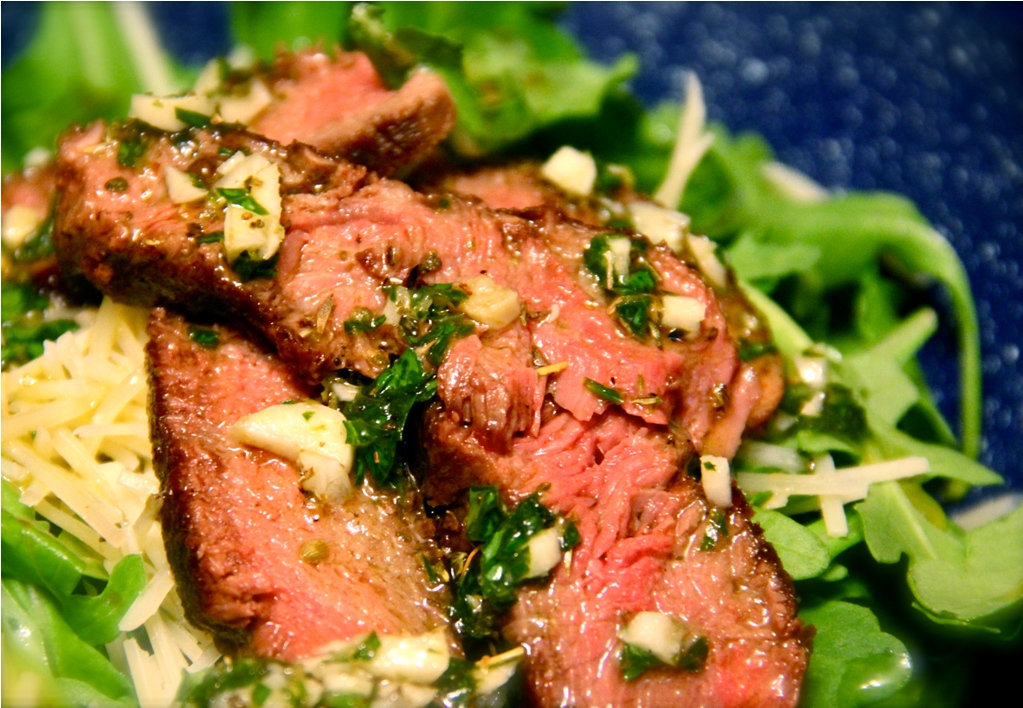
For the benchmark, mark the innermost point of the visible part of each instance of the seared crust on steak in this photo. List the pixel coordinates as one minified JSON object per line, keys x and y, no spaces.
{"x":267,"y":568}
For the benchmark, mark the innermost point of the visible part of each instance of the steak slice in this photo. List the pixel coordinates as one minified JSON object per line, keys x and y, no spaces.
{"x":237,"y":524}
{"x":519,"y":187}
{"x":340,"y":105}
{"x":346,"y":238}
{"x":650,"y":542}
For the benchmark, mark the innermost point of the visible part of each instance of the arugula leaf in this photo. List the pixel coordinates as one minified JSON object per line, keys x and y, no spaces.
{"x":95,"y":618}
{"x":509,"y":68}
{"x":266,"y":26}
{"x":967,"y":578}
{"x":853,"y":662}
{"x":42,"y":642}
{"x":849,"y":234}
{"x":802,"y":553}
{"x":32,"y":553}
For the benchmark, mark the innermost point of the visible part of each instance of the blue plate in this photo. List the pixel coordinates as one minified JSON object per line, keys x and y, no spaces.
{"x":921,"y":99}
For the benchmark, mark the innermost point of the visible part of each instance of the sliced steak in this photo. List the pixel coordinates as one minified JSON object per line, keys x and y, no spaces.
{"x":520,"y":187}
{"x":347,"y":238}
{"x":341,"y":105}
{"x":264,"y":566}
{"x":650,"y":542}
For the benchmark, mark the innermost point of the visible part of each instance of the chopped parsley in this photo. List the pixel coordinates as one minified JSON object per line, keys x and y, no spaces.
{"x":636,"y":661}
{"x":204,"y":336}
{"x":433,"y":320}
{"x":488,"y":585}
{"x":243,"y":198}
{"x":129,"y":151}
{"x":716,"y":529}
{"x":633,"y":291}
{"x":249,"y":268}
{"x":192,"y":118}
{"x":601,"y":391}
{"x":377,"y":415}
{"x":211,"y":237}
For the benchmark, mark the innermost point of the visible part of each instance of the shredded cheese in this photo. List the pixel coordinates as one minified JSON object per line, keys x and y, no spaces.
{"x":75,"y":442}
{"x":848,"y":484}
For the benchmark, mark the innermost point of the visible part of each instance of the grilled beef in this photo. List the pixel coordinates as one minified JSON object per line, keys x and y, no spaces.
{"x":520,"y":187}
{"x":346,"y":238}
{"x":266,"y":567}
{"x":517,"y":407}
{"x":650,"y":542}
{"x":341,"y":105}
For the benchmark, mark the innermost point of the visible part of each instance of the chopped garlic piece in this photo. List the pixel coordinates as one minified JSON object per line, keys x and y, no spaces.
{"x":702,"y":249}
{"x":238,"y":169}
{"x":209,"y":79}
{"x":571,"y":170}
{"x":309,"y":434}
{"x":161,"y":111}
{"x":544,"y":552}
{"x":259,"y":234}
{"x":242,"y":109}
{"x":659,"y":224}
{"x":422,"y":659}
{"x":618,"y":251}
{"x":716,"y":479}
{"x":657,"y":633}
{"x":491,"y":304}
{"x":19,"y":224}
{"x":682,"y":312}
{"x":179,"y":186}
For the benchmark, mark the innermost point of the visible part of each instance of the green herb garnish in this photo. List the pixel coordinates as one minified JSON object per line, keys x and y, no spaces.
{"x":203,"y":336}
{"x":601,"y":391}
{"x":376,"y":418}
{"x":488,"y":586}
{"x":192,"y":118}
{"x":243,"y":198}
{"x":249,"y":268}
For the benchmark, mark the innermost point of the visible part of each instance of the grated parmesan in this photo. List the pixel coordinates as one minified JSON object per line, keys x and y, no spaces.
{"x":75,"y":443}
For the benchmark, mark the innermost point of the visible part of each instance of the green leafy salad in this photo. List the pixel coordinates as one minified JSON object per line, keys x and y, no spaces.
{"x":847,"y":480}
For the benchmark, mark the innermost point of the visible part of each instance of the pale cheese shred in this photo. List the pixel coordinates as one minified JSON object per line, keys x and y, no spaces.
{"x":75,"y":443}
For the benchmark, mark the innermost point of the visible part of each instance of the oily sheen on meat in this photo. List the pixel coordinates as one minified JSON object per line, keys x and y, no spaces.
{"x":515,"y":406}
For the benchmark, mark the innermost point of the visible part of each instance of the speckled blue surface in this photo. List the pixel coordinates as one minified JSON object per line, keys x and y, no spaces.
{"x":923,"y":99}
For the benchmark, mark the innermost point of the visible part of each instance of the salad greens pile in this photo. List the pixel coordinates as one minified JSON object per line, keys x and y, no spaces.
{"x":905,"y":589}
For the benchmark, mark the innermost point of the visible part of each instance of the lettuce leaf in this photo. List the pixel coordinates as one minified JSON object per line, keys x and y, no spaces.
{"x":962,"y":578}
{"x":853,"y":662}
{"x":510,"y":69}
{"x":39,"y":640}
{"x":265,"y":27}
{"x":828,"y":245}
